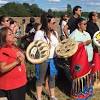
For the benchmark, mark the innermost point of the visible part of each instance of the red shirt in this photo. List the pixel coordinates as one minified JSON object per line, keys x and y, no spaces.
{"x":16,"y":77}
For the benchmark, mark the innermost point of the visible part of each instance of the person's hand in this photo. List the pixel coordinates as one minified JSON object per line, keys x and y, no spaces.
{"x":15,"y":29}
{"x":87,"y":42}
{"x":20,"y":57}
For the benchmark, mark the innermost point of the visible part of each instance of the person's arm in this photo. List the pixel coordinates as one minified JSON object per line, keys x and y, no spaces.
{"x":87,"y":42}
{"x":7,"y":67}
{"x":15,"y":29}
{"x":4,"y":67}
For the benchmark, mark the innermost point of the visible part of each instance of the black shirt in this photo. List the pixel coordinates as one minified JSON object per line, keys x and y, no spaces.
{"x":30,"y":28}
{"x":92,"y":28}
{"x":72,"y":23}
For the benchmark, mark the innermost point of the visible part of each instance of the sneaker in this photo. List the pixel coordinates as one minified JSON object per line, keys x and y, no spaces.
{"x":53,"y":98}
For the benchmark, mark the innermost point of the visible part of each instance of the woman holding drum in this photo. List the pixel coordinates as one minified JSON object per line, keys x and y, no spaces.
{"x":80,"y":66}
{"x":46,"y":39}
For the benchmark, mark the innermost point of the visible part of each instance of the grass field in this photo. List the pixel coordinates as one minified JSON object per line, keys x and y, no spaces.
{"x":62,"y":85}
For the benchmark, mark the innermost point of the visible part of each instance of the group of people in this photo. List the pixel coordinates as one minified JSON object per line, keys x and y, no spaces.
{"x":13,"y":77}
{"x":82,"y":62}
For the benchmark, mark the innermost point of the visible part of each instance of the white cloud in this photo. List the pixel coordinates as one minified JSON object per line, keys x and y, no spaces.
{"x":58,"y":9}
{"x":3,"y":1}
{"x":54,"y":0}
{"x":94,"y":3}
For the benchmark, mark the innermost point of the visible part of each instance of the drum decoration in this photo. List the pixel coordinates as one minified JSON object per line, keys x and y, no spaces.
{"x":96,"y":61}
{"x":66,"y":48}
{"x":37,"y":52}
{"x":80,"y":71}
{"x":96,"y":70}
{"x":96,"y":39}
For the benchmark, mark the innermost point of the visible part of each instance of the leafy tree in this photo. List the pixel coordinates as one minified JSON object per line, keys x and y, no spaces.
{"x":3,"y":11}
{"x":16,"y":9}
{"x":13,"y":9}
{"x":85,"y":14}
{"x":50,"y":11}
{"x":27,"y":6}
{"x":69,"y":9}
{"x":19,"y":10}
{"x":35,"y":10}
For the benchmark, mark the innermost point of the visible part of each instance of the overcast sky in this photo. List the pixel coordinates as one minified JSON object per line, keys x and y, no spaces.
{"x":87,"y":5}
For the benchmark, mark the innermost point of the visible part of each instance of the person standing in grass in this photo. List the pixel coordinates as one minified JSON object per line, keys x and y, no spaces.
{"x":12,"y":67}
{"x":80,"y":66}
{"x":47,"y":69}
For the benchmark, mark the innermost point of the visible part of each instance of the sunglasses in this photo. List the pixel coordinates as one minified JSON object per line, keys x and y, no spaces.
{"x":54,"y":23}
{"x":7,"y":20}
{"x":84,"y":23}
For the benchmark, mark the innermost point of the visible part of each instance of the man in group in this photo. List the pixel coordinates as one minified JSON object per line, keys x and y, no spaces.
{"x":30,"y":32}
{"x":30,"y":26}
{"x":72,"y":22}
{"x":92,"y":26}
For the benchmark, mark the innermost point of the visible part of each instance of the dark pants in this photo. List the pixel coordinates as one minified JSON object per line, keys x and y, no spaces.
{"x":15,"y":94}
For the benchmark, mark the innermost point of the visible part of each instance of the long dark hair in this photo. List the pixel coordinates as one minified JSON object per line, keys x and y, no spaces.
{"x":45,"y":19}
{"x":62,"y":18}
{"x":75,"y":9}
{"x":3,"y":34}
{"x":91,"y":14}
{"x":2,"y":19}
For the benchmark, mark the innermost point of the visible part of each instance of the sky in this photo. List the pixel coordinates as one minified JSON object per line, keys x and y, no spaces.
{"x":87,"y":5}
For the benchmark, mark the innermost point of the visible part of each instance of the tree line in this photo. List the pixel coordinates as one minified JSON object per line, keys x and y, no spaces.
{"x":25,"y":10}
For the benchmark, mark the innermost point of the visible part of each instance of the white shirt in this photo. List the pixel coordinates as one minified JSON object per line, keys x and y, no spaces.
{"x":53,"y":41}
{"x":82,"y":37}
{"x":62,"y":26}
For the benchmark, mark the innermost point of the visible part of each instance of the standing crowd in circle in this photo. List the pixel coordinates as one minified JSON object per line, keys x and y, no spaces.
{"x":84,"y":65}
